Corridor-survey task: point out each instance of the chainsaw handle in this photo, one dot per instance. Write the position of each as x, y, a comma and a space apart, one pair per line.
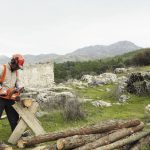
13, 92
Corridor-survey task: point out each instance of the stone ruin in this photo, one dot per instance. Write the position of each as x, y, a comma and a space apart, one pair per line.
39, 75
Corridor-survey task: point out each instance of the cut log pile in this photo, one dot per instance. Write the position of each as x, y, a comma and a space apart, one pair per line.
113, 134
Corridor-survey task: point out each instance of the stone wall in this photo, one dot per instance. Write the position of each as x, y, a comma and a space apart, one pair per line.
37, 75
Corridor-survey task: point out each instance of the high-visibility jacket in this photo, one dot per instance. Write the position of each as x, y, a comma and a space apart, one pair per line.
8, 81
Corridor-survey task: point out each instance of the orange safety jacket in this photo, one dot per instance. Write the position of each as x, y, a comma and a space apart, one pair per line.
11, 93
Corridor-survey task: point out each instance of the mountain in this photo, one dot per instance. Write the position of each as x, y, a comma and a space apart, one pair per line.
40, 58
82, 54
3, 59
99, 51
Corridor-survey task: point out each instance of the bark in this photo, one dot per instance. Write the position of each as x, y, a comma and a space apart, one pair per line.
121, 133
5, 147
141, 143
77, 140
125, 141
45, 147
99, 128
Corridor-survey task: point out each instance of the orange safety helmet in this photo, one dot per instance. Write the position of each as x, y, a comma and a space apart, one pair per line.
19, 60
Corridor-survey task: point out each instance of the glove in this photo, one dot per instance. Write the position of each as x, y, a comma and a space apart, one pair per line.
3, 92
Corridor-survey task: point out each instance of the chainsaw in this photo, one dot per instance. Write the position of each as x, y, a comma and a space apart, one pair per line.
11, 94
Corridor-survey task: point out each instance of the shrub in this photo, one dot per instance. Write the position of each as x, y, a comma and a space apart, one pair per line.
72, 110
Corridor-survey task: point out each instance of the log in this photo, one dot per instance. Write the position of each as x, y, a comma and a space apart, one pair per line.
121, 133
45, 147
98, 128
141, 143
134, 137
77, 140
50, 147
27, 102
5, 147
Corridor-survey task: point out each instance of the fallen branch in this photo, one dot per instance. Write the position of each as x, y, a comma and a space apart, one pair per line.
111, 137
125, 141
99, 128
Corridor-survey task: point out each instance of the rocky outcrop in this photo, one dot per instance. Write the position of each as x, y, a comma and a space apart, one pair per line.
123, 70
105, 78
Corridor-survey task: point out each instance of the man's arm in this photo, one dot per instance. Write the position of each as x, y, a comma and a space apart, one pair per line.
1, 70
18, 82
1, 73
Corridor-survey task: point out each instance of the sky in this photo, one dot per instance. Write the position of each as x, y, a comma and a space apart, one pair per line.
62, 26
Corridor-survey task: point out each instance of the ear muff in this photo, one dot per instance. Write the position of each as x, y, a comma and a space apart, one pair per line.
13, 61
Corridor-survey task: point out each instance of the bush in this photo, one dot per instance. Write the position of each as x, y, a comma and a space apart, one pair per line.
72, 110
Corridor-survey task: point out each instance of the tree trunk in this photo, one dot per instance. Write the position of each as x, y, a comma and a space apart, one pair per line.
77, 140
121, 133
125, 141
140, 144
99, 128
5, 147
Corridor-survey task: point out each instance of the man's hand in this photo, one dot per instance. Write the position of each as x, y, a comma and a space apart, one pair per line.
3, 92
20, 90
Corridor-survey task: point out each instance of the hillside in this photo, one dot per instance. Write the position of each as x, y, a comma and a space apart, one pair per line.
66, 70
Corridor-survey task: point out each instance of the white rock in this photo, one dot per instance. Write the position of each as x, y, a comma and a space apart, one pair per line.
123, 98
120, 70
148, 107
101, 103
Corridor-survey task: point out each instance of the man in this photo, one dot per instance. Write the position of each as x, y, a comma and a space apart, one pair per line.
9, 88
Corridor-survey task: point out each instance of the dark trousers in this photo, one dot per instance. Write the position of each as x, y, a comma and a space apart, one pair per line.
12, 115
